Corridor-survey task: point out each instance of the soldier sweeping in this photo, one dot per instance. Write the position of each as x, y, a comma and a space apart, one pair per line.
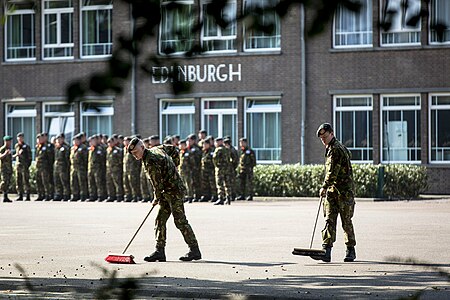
169, 192
337, 191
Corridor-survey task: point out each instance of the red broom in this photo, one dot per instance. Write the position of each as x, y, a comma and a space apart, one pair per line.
122, 258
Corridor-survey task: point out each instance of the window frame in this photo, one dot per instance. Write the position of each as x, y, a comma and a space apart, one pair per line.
353, 109
430, 108
387, 45
429, 27
220, 112
369, 7
190, 111
46, 115
219, 36
31, 113
5, 32
84, 8
96, 114
244, 42
384, 108
273, 109
58, 12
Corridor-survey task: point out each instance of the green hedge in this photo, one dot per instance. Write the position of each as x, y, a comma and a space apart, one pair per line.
400, 181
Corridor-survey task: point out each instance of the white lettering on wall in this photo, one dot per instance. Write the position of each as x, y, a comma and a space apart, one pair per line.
197, 73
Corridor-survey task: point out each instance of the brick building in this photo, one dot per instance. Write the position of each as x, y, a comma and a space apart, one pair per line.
386, 93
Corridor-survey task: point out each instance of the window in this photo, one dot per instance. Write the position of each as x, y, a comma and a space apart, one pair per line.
177, 20
22, 118
59, 118
403, 18
440, 21
214, 37
97, 117
258, 39
440, 128
58, 31
220, 118
353, 28
353, 125
96, 22
177, 117
263, 128
19, 28
400, 128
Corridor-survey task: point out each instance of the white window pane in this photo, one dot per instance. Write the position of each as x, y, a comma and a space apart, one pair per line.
440, 18
354, 28
401, 15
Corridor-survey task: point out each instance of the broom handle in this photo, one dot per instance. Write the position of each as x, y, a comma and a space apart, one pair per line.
315, 223
145, 219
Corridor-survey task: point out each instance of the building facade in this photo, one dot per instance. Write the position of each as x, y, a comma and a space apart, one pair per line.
386, 92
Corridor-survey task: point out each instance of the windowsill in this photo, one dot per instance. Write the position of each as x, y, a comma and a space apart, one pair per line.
57, 61
223, 54
383, 48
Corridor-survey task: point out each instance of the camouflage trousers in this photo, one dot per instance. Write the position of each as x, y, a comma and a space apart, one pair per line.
187, 179
114, 184
44, 180
78, 181
22, 179
96, 184
62, 181
209, 187
223, 189
332, 207
246, 182
196, 183
172, 204
5, 182
132, 184
231, 181
146, 186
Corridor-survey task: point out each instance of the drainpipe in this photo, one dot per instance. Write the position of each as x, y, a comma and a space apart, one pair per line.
133, 78
303, 83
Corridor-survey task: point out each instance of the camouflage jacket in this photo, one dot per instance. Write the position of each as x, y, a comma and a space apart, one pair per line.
163, 174
114, 159
247, 159
196, 155
186, 162
78, 157
207, 160
221, 158
6, 161
172, 151
338, 169
130, 164
23, 154
62, 157
44, 156
96, 158
234, 156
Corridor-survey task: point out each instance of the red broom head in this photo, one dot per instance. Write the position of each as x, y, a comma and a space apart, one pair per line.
120, 259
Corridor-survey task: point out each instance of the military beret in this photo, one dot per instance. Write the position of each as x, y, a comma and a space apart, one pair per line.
243, 139
82, 133
227, 137
326, 127
110, 140
176, 136
20, 134
127, 138
134, 142
137, 136
121, 137
209, 137
202, 131
7, 138
44, 133
61, 135
192, 136
218, 139
154, 137
146, 140
206, 142
76, 137
38, 135
227, 141
182, 141
114, 135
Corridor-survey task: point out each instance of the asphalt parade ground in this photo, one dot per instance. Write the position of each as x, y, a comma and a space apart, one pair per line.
56, 250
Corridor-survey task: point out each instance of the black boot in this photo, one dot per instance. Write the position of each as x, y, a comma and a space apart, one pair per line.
249, 198
57, 198
40, 198
213, 198
84, 198
20, 197
219, 201
111, 199
75, 198
49, 198
119, 198
129, 198
228, 200
193, 254
5, 198
350, 254
326, 257
158, 255
204, 198
28, 198
241, 197
66, 198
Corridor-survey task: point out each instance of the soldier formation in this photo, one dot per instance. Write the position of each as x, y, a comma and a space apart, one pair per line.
99, 168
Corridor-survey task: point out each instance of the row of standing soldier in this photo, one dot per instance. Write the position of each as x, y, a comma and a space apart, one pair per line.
98, 168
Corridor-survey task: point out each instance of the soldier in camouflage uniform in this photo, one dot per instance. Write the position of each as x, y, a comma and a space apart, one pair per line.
23, 163
184, 168
44, 157
146, 186
6, 168
196, 155
201, 137
247, 161
61, 170
169, 192
337, 189
131, 175
51, 155
222, 160
96, 157
78, 169
207, 170
114, 157
231, 176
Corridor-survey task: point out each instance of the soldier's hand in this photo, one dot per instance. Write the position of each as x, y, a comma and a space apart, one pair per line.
322, 192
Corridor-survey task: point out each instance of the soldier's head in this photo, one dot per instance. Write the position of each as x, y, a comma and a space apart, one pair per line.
227, 142
53, 140
146, 142
58, 141
243, 142
7, 141
40, 139
175, 140
61, 137
202, 134
93, 141
126, 141
218, 142
154, 140
206, 145
111, 142
325, 133
192, 139
76, 140
182, 144
44, 136
83, 136
136, 147
20, 137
